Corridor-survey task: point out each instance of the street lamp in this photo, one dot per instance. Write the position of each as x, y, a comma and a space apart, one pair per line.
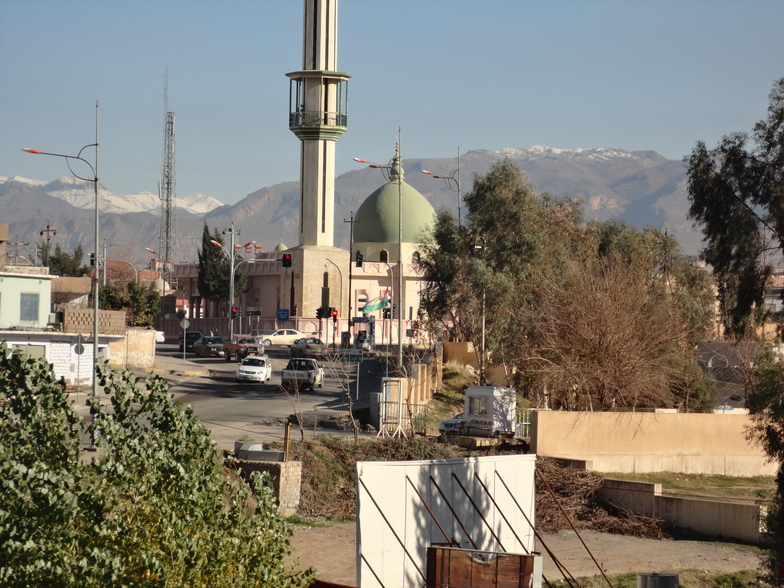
94, 180
232, 268
452, 181
393, 172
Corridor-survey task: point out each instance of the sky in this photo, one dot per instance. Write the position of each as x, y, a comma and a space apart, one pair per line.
489, 74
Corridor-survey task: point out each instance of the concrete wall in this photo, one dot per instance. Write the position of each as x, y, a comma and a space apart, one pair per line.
80, 320
287, 479
136, 350
739, 522
713, 444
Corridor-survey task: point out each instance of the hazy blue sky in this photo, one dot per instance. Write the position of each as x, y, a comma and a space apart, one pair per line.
489, 74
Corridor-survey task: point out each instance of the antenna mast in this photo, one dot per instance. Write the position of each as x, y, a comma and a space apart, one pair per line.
166, 188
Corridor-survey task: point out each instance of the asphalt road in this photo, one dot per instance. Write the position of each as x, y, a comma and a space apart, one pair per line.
251, 412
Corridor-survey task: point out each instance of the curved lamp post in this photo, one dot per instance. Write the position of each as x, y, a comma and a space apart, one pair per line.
96, 281
392, 172
232, 269
452, 181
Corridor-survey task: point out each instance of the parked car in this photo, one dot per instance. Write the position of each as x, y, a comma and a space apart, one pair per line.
453, 426
160, 337
281, 337
209, 347
308, 347
190, 338
254, 369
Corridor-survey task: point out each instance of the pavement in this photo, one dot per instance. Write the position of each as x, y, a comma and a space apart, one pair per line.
244, 418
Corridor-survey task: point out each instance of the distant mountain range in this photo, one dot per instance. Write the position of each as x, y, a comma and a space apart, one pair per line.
641, 187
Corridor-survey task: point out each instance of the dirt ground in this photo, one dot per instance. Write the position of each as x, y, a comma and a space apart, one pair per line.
332, 551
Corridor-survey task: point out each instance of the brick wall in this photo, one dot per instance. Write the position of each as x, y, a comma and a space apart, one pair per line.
80, 320
287, 480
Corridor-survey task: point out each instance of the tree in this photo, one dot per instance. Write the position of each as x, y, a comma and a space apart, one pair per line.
215, 269
614, 328
736, 193
597, 317
154, 506
141, 306
767, 429
62, 264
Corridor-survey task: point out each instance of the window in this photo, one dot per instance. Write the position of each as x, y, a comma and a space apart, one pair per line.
28, 308
416, 257
383, 256
477, 406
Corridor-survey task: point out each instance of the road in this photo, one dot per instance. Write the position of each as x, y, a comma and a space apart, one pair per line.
250, 412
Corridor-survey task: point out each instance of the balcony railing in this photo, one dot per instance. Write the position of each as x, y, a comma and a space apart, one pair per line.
317, 118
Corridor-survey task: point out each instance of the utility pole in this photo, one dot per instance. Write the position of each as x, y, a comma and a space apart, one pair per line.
47, 230
231, 232
350, 267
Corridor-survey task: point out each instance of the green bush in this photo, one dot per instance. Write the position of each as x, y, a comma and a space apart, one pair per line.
155, 505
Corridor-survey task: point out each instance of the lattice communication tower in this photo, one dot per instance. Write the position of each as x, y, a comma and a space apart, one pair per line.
167, 189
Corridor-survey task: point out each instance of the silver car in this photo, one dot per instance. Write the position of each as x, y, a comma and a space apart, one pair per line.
254, 369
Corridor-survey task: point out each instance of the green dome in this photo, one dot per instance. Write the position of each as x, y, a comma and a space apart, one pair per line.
377, 217
280, 247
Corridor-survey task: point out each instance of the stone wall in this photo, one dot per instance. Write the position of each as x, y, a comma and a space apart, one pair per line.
287, 479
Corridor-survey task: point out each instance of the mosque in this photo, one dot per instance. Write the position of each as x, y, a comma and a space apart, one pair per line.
285, 288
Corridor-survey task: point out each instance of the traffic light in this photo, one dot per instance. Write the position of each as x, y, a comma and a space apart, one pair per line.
334, 313
234, 311
286, 260
392, 312
319, 313
92, 259
294, 310
385, 313
359, 259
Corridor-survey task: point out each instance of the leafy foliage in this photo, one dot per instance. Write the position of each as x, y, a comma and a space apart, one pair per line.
215, 268
155, 507
599, 317
140, 305
62, 264
767, 429
737, 195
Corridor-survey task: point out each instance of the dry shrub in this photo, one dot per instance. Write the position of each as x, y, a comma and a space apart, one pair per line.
329, 484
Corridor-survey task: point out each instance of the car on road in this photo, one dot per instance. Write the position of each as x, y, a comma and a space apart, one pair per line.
190, 338
302, 373
308, 347
281, 337
160, 337
209, 347
254, 369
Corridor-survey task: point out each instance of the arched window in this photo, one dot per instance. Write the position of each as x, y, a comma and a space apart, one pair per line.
383, 256
415, 257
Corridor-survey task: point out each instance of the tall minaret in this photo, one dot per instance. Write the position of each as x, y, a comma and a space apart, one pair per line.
318, 100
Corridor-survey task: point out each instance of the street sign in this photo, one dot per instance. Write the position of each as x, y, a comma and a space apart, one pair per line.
283, 314
185, 323
361, 319
79, 347
351, 356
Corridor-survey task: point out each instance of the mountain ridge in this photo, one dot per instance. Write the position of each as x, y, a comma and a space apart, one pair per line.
642, 187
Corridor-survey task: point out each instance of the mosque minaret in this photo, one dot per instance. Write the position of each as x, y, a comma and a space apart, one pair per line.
318, 99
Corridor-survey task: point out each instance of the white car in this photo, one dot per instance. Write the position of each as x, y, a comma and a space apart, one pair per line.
254, 369
160, 337
281, 337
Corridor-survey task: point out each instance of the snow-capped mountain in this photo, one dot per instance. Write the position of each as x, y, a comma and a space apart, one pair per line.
80, 194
